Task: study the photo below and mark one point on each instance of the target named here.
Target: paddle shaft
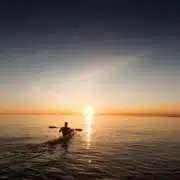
(77, 129)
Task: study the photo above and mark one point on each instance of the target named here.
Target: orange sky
(158, 108)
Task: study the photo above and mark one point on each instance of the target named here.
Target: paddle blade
(78, 130)
(53, 127)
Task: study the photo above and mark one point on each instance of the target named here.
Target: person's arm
(70, 129)
(60, 130)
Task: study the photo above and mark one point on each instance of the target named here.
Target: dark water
(108, 148)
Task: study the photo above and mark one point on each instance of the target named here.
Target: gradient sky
(105, 53)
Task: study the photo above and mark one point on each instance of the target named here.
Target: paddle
(77, 129)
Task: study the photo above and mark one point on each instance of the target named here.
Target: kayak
(62, 139)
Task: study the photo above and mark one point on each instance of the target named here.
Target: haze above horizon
(114, 56)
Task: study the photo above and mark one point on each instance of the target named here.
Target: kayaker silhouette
(65, 130)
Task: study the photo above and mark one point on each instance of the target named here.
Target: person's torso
(65, 130)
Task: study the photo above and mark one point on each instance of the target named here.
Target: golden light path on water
(89, 112)
(89, 129)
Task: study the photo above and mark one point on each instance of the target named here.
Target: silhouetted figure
(65, 130)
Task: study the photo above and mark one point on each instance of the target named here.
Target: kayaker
(65, 130)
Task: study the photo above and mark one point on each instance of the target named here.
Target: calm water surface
(108, 148)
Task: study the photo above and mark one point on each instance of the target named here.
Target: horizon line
(96, 114)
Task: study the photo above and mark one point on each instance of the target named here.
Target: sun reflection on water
(88, 112)
(89, 129)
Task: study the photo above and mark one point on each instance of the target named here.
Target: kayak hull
(62, 139)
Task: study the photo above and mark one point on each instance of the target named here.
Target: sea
(108, 148)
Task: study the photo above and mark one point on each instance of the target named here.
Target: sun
(88, 110)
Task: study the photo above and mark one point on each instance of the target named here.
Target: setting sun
(88, 110)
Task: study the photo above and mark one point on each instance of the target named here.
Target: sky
(110, 54)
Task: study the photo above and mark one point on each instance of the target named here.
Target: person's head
(66, 124)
